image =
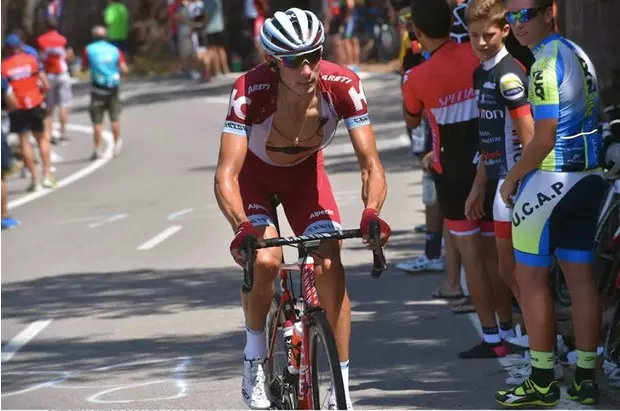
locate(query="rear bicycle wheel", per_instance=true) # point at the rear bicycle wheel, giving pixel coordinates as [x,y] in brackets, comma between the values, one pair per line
[282,384]
[611,349]
[605,255]
[324,362]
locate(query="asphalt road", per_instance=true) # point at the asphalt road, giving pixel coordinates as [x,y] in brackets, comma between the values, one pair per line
[118,290]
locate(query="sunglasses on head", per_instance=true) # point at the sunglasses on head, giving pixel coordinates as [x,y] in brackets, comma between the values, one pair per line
[523,15]
[311,59]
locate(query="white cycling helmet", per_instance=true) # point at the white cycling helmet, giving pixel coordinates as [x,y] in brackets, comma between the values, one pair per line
[294,31]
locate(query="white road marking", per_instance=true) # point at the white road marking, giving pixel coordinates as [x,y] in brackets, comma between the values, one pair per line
[168,232]
[110,219]
[81,173]
[23,338]
[81,219]
[179,213]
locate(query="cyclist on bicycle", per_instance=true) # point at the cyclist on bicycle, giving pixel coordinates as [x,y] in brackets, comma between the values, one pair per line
[281,115]
[557,204]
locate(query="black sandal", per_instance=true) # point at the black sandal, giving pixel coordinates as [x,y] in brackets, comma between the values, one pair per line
[438,294]
[464,306]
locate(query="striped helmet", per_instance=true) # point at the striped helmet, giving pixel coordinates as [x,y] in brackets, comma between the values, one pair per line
[294,31]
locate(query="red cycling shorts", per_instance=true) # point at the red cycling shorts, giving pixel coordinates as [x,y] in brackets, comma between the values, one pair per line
[303,190]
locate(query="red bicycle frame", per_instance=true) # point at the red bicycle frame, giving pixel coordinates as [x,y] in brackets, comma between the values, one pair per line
[309,300]
[309,297]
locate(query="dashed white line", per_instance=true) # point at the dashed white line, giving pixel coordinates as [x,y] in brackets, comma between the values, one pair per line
[23,338]
[179,213]
[110,219]
[95,165]
[164,235]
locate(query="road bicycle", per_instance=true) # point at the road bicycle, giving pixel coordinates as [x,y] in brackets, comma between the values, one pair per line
[608,226]
[293,357]
[611,343]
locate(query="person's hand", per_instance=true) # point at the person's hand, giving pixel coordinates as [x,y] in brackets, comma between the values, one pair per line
[474,205]
[507,191]
[243,231]
[427,162]
[369,215]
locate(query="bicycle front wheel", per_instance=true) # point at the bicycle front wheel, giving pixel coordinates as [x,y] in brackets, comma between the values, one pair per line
[283,386]
[324,363]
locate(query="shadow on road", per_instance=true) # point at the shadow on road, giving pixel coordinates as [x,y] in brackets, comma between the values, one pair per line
[404,344]
[164,96]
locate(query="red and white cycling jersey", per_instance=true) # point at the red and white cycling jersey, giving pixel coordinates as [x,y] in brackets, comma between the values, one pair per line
[52,45]
[253,103]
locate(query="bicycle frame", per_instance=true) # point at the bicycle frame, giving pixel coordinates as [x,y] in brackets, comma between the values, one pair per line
[309,299]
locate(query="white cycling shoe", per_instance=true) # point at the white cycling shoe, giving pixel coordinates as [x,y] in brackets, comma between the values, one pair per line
[254,387]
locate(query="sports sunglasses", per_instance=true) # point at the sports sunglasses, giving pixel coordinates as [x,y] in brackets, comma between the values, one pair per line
[297,61]
[523,15]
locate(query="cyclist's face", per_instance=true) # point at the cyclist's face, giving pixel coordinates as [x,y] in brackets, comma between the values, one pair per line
[302,79]
[487,38]
[531,24]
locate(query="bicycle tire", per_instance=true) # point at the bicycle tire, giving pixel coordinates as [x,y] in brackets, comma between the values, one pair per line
[611,347]
[604,263]
[282,390]
[320,329]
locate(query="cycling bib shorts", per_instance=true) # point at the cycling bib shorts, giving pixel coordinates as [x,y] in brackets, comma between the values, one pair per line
[556,212]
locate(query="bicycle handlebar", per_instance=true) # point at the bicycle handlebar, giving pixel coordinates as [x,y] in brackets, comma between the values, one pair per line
[252,244]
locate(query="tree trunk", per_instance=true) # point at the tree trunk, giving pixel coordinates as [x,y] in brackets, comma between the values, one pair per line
[595,26]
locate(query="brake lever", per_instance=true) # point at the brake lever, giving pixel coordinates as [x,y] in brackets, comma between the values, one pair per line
[248,270]
[379,263]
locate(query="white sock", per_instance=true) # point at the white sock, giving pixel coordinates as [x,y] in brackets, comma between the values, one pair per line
[344,369]
[504,334]
[255,344]
[491,338]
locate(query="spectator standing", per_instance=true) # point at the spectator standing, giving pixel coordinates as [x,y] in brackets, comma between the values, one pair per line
[9,102]
[55,54]
[216,41]
[173,33]
[106,64]
[116,16]
[29,84]
[53,10]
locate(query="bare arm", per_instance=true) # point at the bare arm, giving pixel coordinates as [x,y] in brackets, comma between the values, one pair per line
[538,148]
[374,184]
[10,101]
[70,55]
[123,66]
[481,174]
[525,129]
[45,84]
[411,120]
[232,155]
